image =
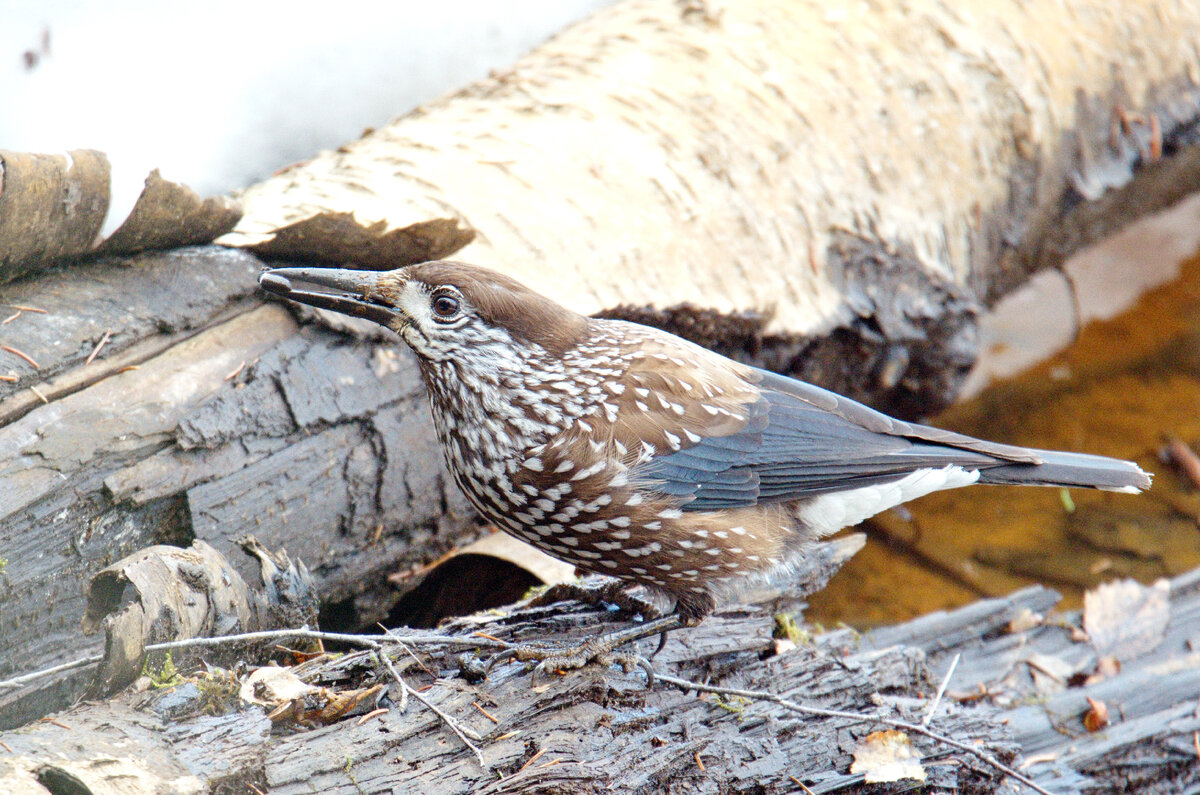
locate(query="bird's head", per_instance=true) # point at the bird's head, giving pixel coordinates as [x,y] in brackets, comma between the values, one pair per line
[444,310]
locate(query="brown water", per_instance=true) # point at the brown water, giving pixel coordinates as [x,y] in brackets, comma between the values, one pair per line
[1121,390]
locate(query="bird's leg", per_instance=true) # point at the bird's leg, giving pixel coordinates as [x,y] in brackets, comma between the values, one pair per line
[613,592]
[602,649]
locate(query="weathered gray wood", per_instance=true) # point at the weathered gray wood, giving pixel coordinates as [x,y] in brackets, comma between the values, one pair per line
[600,730]
[228,423]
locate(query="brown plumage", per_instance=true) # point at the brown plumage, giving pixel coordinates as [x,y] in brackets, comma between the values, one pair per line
[633,453]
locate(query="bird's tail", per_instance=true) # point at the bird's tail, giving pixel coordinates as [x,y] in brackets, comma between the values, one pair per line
[1071,470]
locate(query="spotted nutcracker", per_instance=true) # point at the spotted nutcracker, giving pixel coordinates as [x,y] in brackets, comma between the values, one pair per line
[630,452]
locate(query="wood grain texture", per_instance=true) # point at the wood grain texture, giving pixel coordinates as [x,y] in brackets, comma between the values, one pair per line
[601,730]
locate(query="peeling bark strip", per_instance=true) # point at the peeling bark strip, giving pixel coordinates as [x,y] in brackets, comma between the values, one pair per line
[717,155]
[52,208]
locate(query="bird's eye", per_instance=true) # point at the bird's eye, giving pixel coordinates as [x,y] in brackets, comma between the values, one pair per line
[445,306]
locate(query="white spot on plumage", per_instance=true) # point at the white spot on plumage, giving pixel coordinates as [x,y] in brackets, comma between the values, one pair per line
[588,471]
[533,463]
[565,466]
[635,499]
[672,440]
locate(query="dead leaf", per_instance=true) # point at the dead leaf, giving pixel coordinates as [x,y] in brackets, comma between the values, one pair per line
[1125,619]
[290,699]
[885,756]
[1096,718]
[272,685]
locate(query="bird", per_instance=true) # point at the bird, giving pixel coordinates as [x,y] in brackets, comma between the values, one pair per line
[631,452]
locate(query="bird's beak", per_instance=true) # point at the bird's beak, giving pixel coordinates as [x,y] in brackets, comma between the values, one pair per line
[353,293]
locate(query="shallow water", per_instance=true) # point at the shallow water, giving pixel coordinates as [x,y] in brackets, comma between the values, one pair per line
[1122,389]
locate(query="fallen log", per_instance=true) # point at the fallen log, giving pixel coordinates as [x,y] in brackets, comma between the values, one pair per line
[602,729]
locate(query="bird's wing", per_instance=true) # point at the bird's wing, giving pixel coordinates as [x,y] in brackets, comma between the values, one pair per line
[720,435]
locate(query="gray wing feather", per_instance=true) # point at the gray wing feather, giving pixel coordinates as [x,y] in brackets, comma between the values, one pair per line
[801,441]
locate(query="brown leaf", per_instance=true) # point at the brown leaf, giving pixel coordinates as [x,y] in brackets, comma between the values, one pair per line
[1096,718]
[885,756]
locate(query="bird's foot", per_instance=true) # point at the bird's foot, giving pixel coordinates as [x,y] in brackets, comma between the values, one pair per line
[560,658]
[612,592]
[603,649]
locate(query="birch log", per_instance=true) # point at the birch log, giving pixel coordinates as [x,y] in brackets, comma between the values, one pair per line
[791,169]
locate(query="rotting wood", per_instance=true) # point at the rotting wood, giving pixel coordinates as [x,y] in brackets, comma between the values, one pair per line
[577,724]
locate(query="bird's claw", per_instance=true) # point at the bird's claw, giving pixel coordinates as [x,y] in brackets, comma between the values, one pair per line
[560,658]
